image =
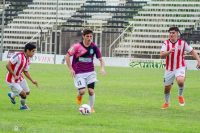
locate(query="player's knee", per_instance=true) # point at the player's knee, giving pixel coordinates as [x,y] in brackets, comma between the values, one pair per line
[82,91]
[181,84]
[180,81]
[167,89]
[91,92]
[23,95]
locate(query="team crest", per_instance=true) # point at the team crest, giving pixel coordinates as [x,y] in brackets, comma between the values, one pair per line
[71,49]
[91,51]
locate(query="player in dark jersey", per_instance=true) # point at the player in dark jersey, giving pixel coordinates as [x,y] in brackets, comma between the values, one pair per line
[82,66]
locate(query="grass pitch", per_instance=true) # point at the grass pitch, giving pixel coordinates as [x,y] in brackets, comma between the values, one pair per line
[128,100]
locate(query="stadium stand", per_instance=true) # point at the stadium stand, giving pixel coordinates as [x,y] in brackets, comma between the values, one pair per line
[35,20]
[107,18]
[13,8]
[192,36]
[151,24]
[1,11]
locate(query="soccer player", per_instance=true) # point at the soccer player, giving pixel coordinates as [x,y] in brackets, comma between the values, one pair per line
[82,66]
[18,64]
[173,50]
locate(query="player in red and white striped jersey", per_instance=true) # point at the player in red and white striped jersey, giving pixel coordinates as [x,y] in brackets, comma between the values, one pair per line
[18,64]
[173,50]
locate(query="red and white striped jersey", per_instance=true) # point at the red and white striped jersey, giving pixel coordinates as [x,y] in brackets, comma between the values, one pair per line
[175,59]
[19,64]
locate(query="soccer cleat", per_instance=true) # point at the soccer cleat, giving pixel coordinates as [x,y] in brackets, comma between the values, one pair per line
[79,100]
[92,110]
[181,100]
[165,106]
[25,107]
[11,98]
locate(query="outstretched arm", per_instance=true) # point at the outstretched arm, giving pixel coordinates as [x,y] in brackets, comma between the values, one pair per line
[196,56]
[26,73]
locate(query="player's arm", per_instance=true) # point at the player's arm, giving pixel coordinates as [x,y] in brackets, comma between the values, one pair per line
[191,51]
[102,66]
[10,70]
[196,56]
[68,62]
[26,73]
[166,53]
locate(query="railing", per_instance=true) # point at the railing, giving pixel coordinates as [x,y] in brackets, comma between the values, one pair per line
[119,39]
[197,24]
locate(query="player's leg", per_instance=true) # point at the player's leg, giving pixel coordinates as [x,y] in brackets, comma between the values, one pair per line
[180,79]
[91,79]
[168,81]
[23,94]
[23,100]
[167,90]
[15,90]
[80,84]
[81,92]
[91,95]
[180,82]
[12,96]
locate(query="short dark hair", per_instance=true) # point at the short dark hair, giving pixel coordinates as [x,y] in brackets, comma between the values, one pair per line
[87,31]
[174,28]
[29,46]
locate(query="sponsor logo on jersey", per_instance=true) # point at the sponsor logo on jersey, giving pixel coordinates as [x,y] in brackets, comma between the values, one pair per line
[82,59]
[91,51]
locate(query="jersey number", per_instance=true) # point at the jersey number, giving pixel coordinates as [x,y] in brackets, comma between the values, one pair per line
[79,83]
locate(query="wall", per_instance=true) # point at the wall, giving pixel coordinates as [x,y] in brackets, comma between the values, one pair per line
[109,61]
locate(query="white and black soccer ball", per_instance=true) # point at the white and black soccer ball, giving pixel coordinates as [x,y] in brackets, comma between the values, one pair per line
[85,109]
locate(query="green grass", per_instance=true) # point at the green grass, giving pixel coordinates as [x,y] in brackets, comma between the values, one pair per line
[128,100]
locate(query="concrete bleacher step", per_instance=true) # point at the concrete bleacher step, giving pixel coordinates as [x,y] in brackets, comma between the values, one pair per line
[152,23]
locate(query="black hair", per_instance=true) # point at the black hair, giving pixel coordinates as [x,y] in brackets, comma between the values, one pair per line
[29,46]
[87,31]
[175,29]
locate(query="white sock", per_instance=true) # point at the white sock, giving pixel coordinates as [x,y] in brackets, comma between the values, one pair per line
[92,99]
[22,101]
[180,90]
[167,97]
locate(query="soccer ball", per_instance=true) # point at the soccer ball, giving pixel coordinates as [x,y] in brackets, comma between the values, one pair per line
[85,109]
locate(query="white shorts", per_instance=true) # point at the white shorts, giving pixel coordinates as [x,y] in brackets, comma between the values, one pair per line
[171,75]
[83,79]
[16,88]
